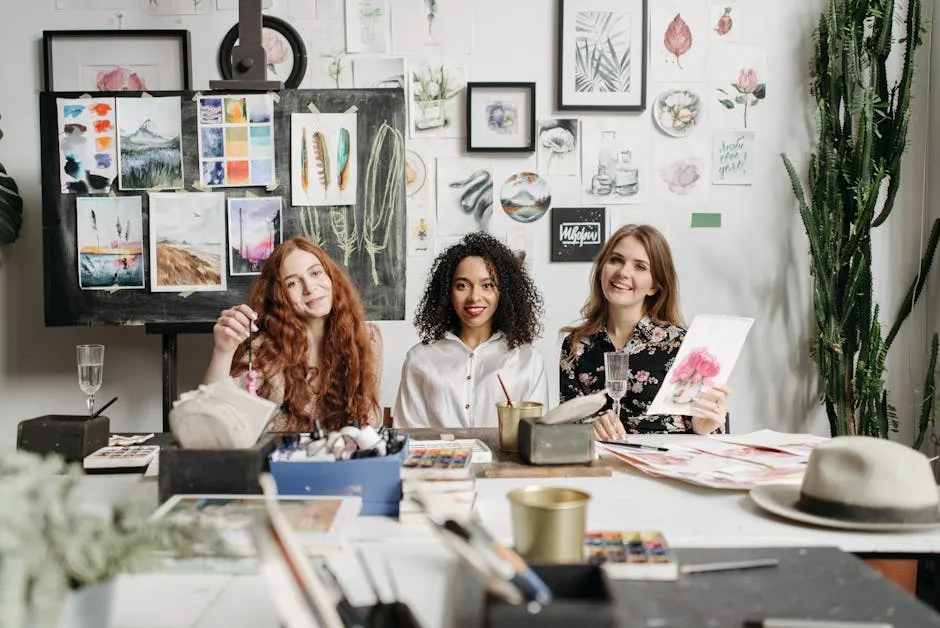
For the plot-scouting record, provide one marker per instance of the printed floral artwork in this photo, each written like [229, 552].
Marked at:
[502, 117]
[187, 242]
[436, 110]
[149, 143]
[109, 232]
[367, 26]
[254, 229]
[679, 40]
[121, 79]
[558, 147]
[604, 51]
[697, 370]
[748, 91]
[738, 86]
[680, 170]
[87, 145]
[236, 140]
[677, 112]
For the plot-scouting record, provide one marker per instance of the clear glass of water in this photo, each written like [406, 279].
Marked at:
[616, 374]
[90, 370]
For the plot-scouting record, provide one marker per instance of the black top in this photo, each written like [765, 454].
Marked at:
[653, 348]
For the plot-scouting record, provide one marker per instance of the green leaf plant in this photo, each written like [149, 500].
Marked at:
[851, 188]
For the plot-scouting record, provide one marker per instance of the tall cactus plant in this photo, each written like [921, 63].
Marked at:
[853, 181]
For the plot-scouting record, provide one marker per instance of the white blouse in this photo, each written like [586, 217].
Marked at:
[446, 384]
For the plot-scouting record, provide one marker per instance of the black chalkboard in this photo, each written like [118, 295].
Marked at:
[377, 259]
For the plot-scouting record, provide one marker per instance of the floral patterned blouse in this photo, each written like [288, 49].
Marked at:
[653, 348]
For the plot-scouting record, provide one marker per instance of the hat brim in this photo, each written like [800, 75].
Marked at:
[781, 499]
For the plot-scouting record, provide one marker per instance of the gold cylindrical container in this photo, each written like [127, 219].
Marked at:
[548, 523]
[509, 420]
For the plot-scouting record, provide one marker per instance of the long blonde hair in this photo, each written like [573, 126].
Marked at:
[661, 307]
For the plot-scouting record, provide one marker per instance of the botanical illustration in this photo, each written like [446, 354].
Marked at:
[109, 232]
[725, 22]
[615, 161]
[697, 370]
[87, 145]
[464, 195]
[439, 27]
[236, 140]
[254, 229]
[738, 85]
[367, 26]
[525, 197]
[187, 242]
[679, 39]
[149, 144]
[603, 51]
[436, 110]
[677, 112]
[680, 170]
[324, 168]
[379, 72]
[384, 183]
[558, 148]
[748, 91]
[120, 78]
[502, 117]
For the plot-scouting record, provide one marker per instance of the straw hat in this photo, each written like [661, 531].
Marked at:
[859, 483]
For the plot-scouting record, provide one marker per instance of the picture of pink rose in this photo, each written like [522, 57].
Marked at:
[747, 81]
[695, 371]
[119, 80]
[275, 49]
[750, 92]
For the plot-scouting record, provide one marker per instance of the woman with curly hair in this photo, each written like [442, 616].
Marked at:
[634, 306]
[313, 352]
[478, 317]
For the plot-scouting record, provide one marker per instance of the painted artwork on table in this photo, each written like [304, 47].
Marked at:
[324, 169]
[367, 26]
[109, 232]
[187, 242]
[436, 95]
[739, 85]
[725, 22]
[525, 197]
[706, 358]
[680, 170]
[679, 40]
[615, 161]
[236, 140]
[464, 195]
[254, 229]
[150, 154]
[578, 233]
[733, 157]
[559, 153]
[432, 27]
[379, 73]
[87, 145]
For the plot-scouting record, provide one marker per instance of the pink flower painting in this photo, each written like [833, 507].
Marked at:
[697, 370]
[750, 91]
[276, 49]
[119, 80]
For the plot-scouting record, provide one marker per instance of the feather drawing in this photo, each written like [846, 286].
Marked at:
[342, 159]
[304, 169]
[322, 156]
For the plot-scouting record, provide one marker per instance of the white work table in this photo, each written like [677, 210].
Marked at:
[689, 516]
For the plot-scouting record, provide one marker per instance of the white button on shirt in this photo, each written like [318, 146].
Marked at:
[445, 384]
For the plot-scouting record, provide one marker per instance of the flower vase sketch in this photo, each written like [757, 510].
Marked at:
[602, 51]
[696, 371]
[750, 91]
[431, 89]
[678, 38]
[369, 17]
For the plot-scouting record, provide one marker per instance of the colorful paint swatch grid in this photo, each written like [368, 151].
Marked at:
[236, 140]
[88, 161]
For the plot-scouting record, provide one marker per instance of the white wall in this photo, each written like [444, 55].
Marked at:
[755, 265]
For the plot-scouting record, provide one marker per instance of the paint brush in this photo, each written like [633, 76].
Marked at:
[251, 373]
[505, 391]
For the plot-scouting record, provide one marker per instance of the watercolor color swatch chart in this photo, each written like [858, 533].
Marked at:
[87, 145]
[236, 140]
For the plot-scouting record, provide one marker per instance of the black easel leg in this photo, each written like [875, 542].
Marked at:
[169, 376]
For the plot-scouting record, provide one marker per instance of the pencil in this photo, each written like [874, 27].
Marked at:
[730, 565]
[623, 443]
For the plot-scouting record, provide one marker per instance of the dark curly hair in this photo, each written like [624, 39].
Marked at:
[519, 312]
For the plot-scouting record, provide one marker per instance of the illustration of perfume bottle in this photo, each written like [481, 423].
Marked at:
[626, 174]
[602, 182]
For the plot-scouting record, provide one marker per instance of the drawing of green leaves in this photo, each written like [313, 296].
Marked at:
[599, 66]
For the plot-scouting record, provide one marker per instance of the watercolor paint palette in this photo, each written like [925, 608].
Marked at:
[437, 463]
[631, 555]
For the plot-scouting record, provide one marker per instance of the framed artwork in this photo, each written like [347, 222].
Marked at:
[501, 117]
[284, 50]
[116, 60]
[578, 233]
[602, 54]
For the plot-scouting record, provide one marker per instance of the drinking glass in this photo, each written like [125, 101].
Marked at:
[616, 374]
[90, 369]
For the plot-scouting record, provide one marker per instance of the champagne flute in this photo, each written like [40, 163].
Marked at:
[616, 374]
[90, 370]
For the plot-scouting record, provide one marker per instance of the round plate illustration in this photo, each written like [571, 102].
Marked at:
[416, 173]
[525, 197]
[677, 111]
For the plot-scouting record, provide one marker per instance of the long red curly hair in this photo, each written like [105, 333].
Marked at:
[345, 379]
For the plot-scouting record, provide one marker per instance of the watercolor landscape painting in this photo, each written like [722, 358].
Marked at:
[109, 243]
[254, 229]
[187, 242]
[149, 144]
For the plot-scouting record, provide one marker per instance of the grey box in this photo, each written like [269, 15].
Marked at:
[565, 443]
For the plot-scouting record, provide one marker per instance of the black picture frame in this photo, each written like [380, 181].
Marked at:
[578, 233]
[607, 86]
[298, 50]
[62, 45]
[492, 132]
